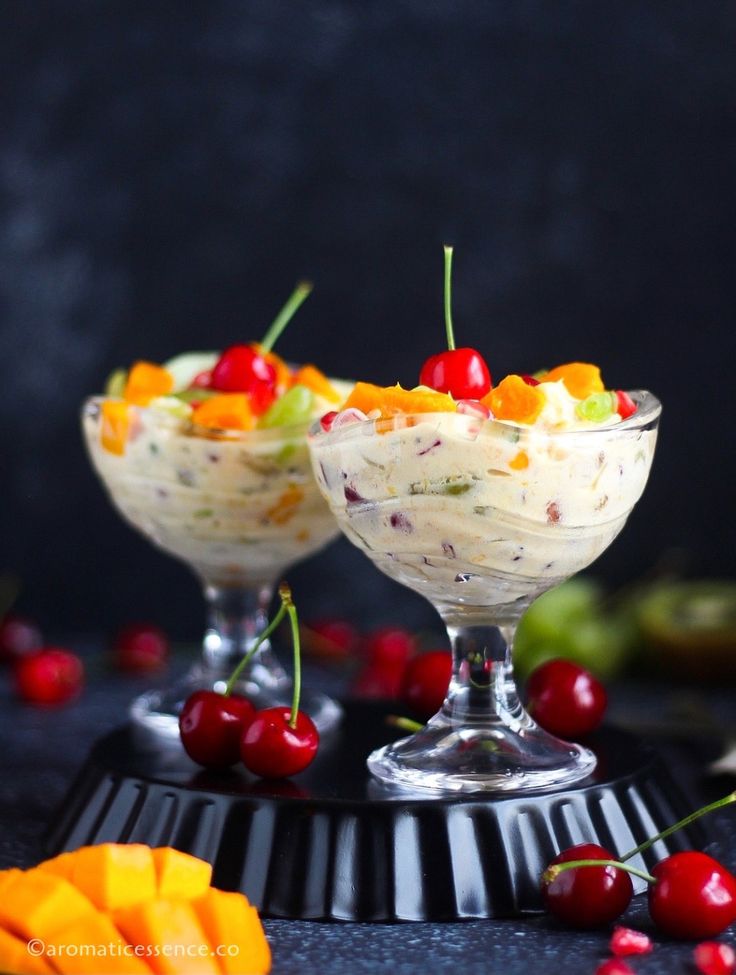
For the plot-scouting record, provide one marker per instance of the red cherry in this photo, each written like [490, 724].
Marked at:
[614, 966]
[390, 646]
[377, 682]
[241, 369]
[18, 635]
[49, 676]
[713, 958]
[140, 647]
[565, 699]
[425, 681]
[271, 748]
[462, 373]
[694, 896]
[334, 638]
[626, 941]
[625, 406]
[211, 726]
[586, 897]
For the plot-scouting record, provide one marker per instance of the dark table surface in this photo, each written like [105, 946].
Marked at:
[40, 752]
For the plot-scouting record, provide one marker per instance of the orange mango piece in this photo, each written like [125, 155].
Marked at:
[580, 378]
[513, 399]
[6, 876]
[61, 865]
[520, 461]
[115, 875]
[97, 948]
[145, 381]
[180, 874]
[229, 921]
[229, 411]
[15, 959]
[35, 904]
[392, 400]
[314, 379]
[286, 506]
[115, 423]
[168, 922]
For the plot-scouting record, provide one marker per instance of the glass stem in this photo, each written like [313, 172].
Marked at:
[236, 615]
[482, 688]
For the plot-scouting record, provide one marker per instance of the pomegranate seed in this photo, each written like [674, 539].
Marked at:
[714, 958]
[626, 941]
[327, 420]
[529, 380]
[614, 966]
[625, 406]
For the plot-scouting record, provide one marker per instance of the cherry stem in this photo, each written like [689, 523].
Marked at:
[406, 724]
[448, 298]
[251, 653]
[286, 601]
[298, 295]
[711, 807]
[553, 871]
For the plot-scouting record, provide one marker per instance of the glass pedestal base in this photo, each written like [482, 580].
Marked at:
[157, 711]
[447, 756]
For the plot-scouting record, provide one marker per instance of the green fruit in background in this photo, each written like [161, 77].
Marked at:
[570, 621]
[185, 366]
[689, 628]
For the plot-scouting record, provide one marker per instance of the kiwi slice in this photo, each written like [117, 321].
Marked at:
[691, 626]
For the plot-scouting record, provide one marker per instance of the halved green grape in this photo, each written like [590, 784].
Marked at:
[597, 407]
[187, 365]
[172, 406]
[195, 395]
[293, 408]
[115, 383]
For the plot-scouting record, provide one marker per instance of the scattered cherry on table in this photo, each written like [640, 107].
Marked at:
[425, 682]
[694, 896]
[49, 676]
[565, 699]
[18, 635]
[140, 648]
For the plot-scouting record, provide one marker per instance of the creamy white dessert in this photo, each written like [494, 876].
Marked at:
[236, 505]
[447, 502]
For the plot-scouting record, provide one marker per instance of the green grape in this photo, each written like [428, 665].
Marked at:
[187, 365]
[195, 395]
[115, 383]
[597, 407]
[294, 407]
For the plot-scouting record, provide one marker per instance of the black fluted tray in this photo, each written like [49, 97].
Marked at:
[333, 844]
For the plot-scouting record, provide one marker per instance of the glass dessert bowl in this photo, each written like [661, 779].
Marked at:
[239, 508]
[481, 516]
[207, 457]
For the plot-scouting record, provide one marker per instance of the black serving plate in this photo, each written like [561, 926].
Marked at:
[333, 844]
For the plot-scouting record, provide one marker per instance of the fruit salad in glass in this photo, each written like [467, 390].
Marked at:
[206, 455]
[480, 498]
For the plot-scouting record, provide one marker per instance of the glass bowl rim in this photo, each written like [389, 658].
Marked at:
[648, 410]
[185, 426]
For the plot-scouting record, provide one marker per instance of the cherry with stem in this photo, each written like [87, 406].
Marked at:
[211, 723]
[690, 894]
[462, 373]
[281, 741]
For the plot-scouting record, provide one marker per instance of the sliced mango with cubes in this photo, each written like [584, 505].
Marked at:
[180, 874]
[393, 400]
[127, 909]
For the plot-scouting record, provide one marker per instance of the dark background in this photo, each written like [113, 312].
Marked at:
[168, 170]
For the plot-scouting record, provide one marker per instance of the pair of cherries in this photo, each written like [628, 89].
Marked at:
[691, 895]
[218, 730]
[246, 368]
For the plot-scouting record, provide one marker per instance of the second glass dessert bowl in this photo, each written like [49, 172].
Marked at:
[481, 517]
[238, 507]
